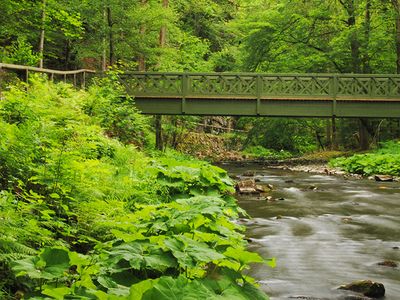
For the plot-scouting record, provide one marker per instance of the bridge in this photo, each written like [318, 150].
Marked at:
[252, 94]
[277, 95]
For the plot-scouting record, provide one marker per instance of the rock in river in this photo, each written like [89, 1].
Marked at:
[249, 174]
[366, 287]
[247, 186]
[386, 178]
[388, 263]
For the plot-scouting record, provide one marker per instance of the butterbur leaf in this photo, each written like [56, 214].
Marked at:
[27, 266]
[56, 293]
[168, 288]
[137, 290]
[243, 256]
[253, 293]
[56, 261]
[271, 262]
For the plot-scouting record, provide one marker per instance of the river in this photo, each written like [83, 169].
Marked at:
[325, 231]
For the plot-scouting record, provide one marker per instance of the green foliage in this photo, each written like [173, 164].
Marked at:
[289, 135]
[87, 216]
[262, 153]
[115, 113]
[385, 160]
[20, 52]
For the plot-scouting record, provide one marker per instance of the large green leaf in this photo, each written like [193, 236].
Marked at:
[168, 288]
[137, 290]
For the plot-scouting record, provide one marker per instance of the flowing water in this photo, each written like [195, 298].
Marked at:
[324, 232]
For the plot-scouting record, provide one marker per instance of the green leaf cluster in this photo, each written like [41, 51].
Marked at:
[385, 160]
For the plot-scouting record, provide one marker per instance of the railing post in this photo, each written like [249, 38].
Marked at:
[84, 80]
[259, 88]
[74, 80]
[334, 92]
[373, 87]
[185, 90]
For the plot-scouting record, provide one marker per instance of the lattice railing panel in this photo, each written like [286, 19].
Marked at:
[153, 84]
[296, 86]
[381, 87]
[263, 85]
[220, 85]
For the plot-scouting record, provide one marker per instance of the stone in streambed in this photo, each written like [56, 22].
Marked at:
[313, 187]
[247, 186]
[249, 174]
[366, 287]
[261, 189]
[388, 263]
[384, 178]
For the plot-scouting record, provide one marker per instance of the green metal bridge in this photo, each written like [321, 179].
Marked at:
[251, 94]
[294, 95]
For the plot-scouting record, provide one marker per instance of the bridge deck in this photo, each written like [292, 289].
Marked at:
[302, 95]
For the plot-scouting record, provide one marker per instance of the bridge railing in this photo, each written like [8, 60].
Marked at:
[263, 86]
[75, 77]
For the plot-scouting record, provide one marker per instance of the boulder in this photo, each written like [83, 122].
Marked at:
[384, 178]
[247, 186]
[249, 174]
[388, 263]
[366, 287]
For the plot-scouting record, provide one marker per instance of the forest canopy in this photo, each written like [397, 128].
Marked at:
[360, 36]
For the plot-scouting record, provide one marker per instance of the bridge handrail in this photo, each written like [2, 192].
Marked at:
[263, 86]
[43, 70]
[128, 73]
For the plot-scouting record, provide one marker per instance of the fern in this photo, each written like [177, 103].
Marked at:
[11, 250]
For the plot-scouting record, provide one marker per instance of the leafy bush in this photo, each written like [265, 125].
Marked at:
[20, 52]
[385, 160]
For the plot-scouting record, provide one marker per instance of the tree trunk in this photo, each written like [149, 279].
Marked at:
[42, 34]
[158, 118]
[349, 6]
[328, 134]
[334, 135]
[141, 59]
[396, 7]
[104, 36]
[363, 135]
[158, 127]
[367, 32]
[110, 36]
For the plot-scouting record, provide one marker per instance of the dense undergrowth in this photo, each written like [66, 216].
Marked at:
[385, 160]
[85, 213]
